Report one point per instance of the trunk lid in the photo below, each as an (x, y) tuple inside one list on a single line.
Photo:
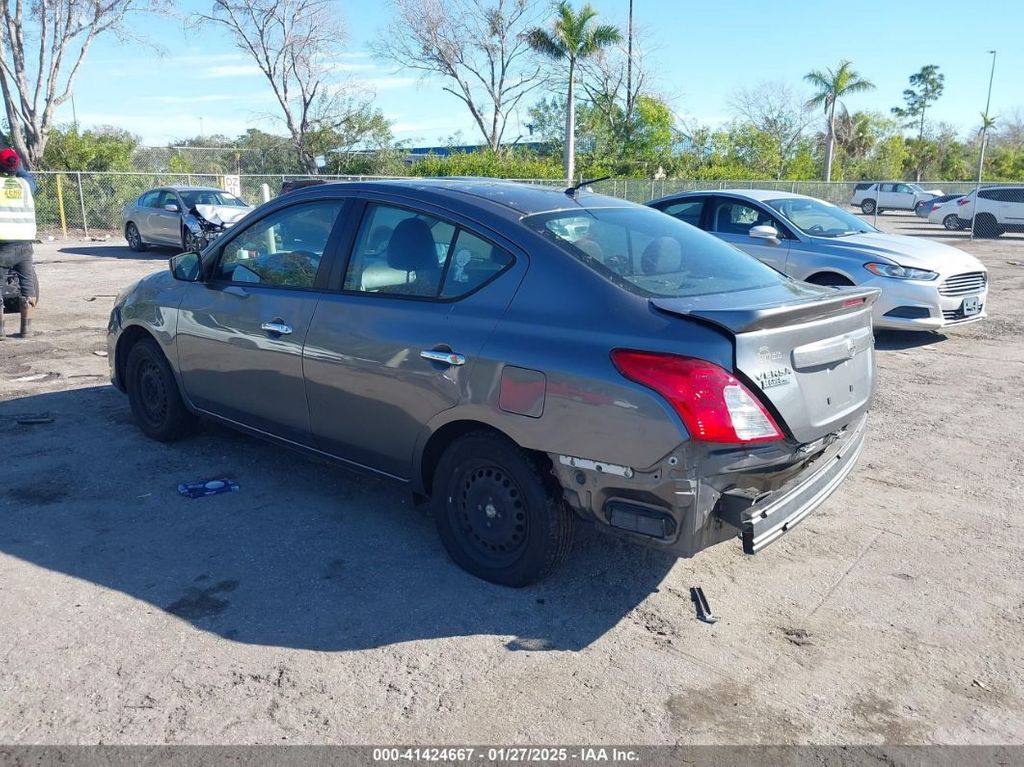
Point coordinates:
[(807, 351)]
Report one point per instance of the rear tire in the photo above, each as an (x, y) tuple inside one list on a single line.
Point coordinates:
[(500, 517), (131, 233), (987, 226), (952, 222), (153, 393), (867, 207)]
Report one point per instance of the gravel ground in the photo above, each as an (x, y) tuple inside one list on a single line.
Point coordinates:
[(317, 606)]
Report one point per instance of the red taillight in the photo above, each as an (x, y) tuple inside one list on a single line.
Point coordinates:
[(964, 202), (853, 302), (714, 406)]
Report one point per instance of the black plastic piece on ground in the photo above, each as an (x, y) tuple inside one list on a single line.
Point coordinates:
[(701, 603)]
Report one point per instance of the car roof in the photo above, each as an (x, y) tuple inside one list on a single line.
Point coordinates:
[(513, 198), (757, 195)]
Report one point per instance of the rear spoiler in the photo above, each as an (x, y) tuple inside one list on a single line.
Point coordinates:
[(744, 319)]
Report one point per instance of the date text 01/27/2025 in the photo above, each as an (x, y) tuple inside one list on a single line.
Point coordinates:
[(504, 754)]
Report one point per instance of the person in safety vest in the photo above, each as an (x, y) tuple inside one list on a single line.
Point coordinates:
[(18, 232)]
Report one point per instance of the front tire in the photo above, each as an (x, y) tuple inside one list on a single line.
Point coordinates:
[(189, 242), (867, 207), (153, 394), (500, 517), (131, 233)]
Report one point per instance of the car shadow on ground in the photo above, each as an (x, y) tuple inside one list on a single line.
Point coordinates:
[(898, 340), (121, 251), (305, 555)]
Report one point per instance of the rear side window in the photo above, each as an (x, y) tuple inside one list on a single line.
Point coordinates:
[(473, 262), (403, 252), (148, 200), (688, 211), (649, 253), (989, 194)]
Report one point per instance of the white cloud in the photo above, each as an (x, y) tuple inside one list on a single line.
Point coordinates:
[(386, 82), (228, 70)]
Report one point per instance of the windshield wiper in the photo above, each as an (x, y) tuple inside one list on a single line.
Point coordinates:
[(572, 190)]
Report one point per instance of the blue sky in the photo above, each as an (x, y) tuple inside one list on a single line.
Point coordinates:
[(703, 52)]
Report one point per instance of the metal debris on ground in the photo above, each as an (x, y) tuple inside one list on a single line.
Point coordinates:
[(100, 353), (701, 603), (206, 488), (33, 377)]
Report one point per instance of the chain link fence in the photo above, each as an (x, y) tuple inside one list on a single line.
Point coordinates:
[(76, 204)]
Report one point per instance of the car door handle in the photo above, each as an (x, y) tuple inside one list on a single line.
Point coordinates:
[(277, 327), (447, 358)]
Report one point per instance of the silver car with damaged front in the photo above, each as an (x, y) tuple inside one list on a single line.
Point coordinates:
[(523, 359)]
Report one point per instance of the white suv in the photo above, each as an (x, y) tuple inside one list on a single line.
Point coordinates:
[(1000, 209), (893, 195)]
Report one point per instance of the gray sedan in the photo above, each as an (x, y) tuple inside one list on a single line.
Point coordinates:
[(185, 217), (925, 285), (522, 358)]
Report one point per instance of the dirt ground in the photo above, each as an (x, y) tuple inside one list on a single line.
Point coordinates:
[(317, 606)]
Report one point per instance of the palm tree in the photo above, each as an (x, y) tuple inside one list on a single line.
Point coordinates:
[(572, 37), (830, 86)]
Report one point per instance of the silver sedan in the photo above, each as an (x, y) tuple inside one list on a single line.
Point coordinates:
[(924, 285), (185, 217)]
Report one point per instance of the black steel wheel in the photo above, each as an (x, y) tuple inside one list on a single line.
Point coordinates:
[(131, 233), (499, 517), (153, 393)]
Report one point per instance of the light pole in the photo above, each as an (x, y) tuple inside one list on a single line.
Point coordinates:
[(984, 137)]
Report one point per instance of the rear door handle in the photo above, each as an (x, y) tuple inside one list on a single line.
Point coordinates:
[(277, 327), (447, 358)]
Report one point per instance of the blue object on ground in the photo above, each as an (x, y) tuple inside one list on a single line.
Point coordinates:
[(209, 487)]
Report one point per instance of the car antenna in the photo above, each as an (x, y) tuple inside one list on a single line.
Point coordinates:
[(572, 190)]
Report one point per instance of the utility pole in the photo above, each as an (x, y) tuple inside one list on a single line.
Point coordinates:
[(984, 137), (629, 64)]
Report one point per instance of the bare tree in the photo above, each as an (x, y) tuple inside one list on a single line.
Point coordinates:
[(293, 42), (477, 46), (773, 109), (42, 47), (614, 78)]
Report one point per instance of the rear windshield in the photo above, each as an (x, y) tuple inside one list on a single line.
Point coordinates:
[(651, 253)]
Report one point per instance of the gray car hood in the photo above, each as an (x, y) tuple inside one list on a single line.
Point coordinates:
[(222, 215), (906, 251)]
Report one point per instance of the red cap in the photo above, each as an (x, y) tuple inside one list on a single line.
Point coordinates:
[(9, 160)]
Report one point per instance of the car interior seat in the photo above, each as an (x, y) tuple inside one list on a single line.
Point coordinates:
[(662, 256), (411, 249)]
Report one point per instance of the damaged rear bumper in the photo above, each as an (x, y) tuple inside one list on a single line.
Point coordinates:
[(701, 495), (765, 521)]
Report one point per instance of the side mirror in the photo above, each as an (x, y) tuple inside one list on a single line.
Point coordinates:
[(765, 232), (171, 208), (186, 267)]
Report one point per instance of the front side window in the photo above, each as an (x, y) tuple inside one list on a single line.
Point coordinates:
[(819, 219), (733, 217), (646, 252), (282, 250), (904, 189), (166, 198)]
